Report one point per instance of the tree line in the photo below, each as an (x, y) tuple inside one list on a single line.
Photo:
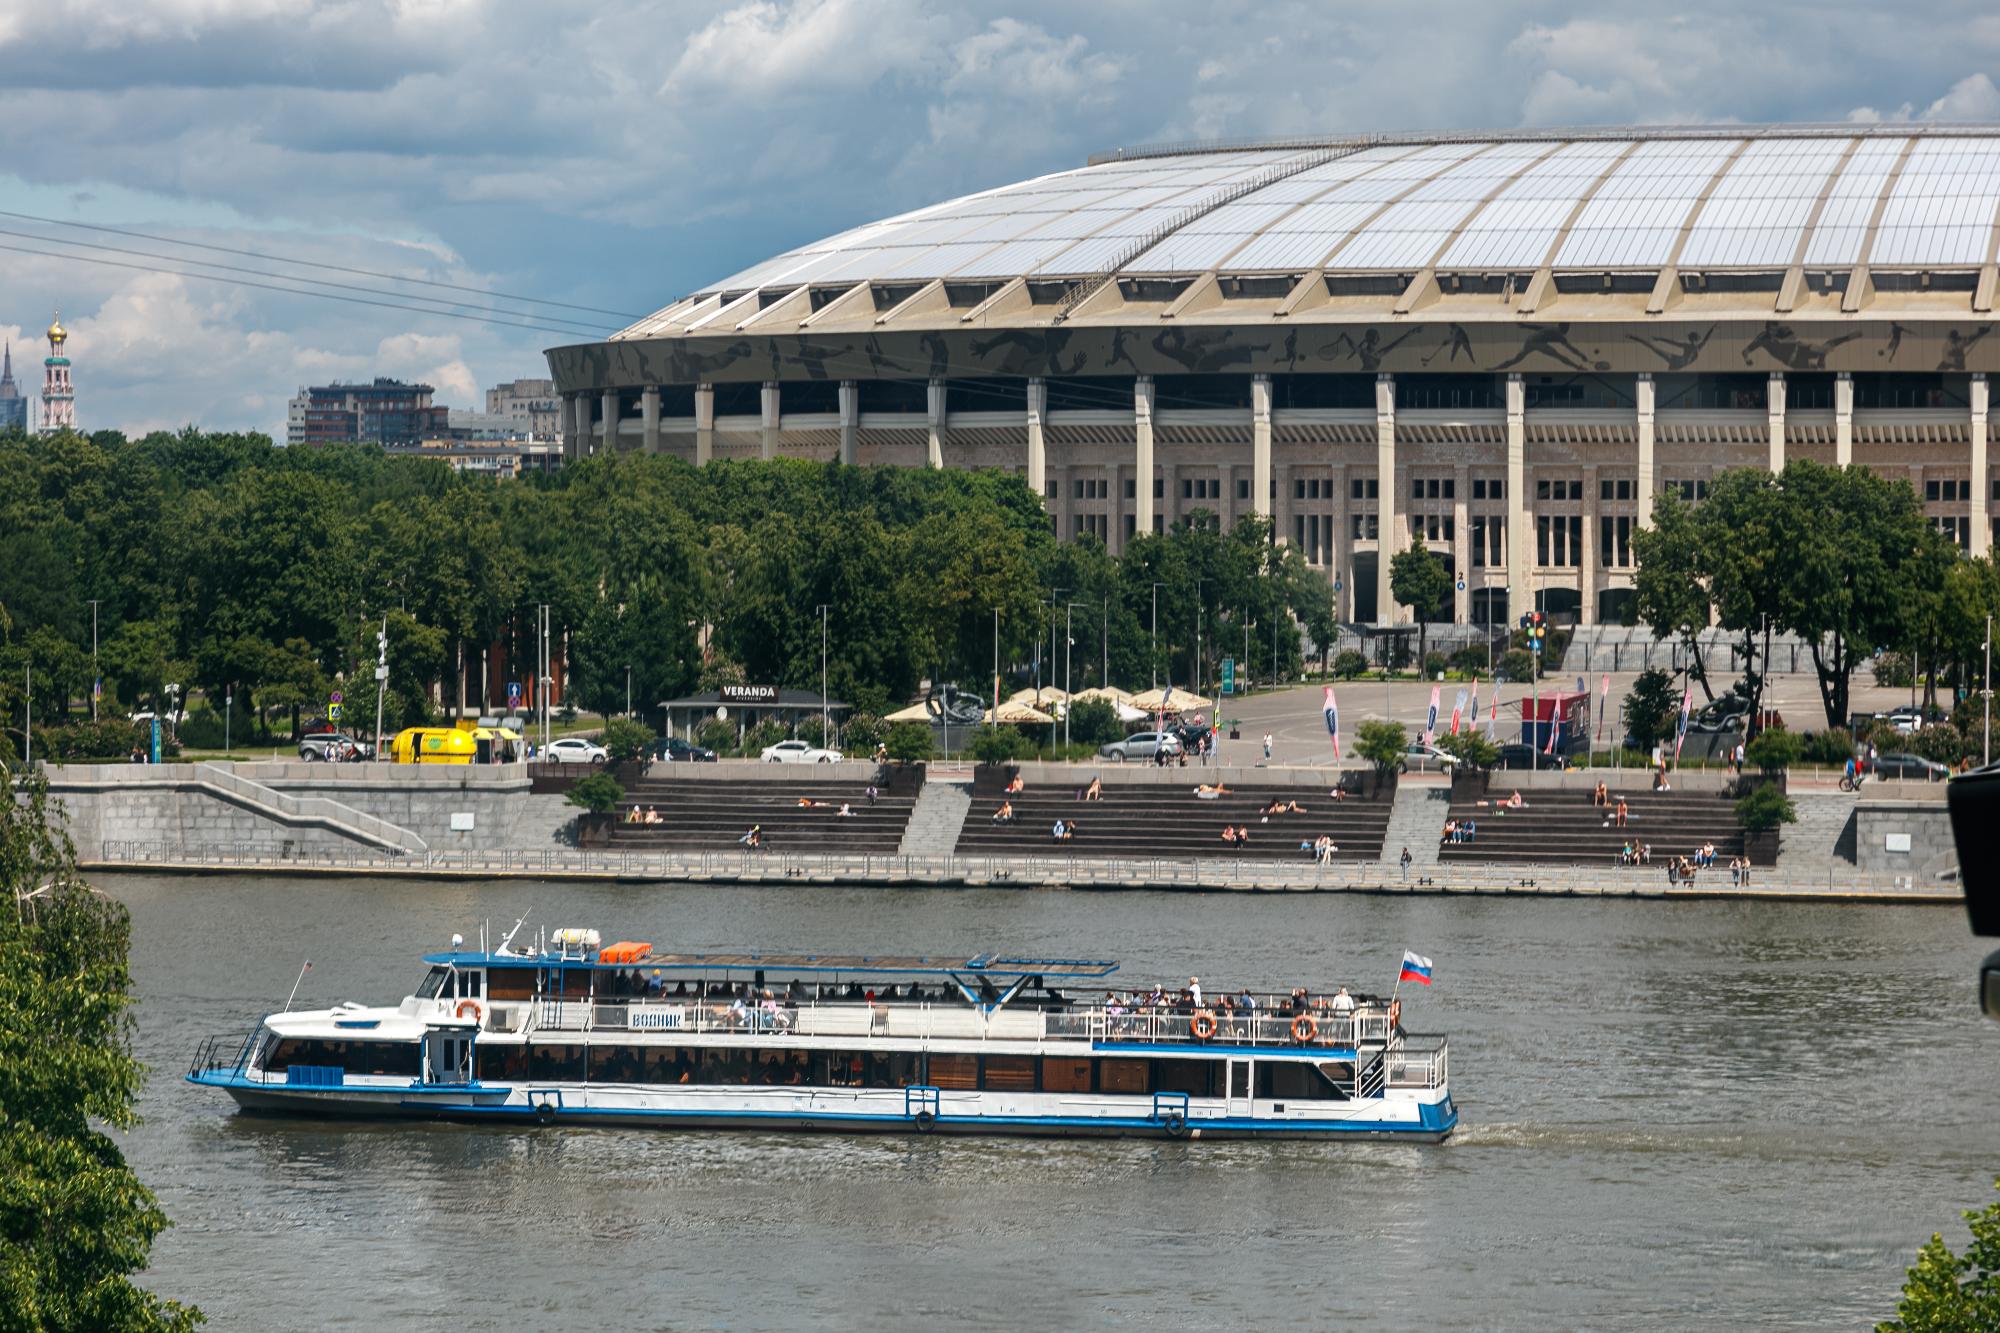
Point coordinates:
[(261, 575)]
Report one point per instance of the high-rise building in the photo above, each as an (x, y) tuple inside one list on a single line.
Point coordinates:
[(58, 395), (533, 405), (385, 411), (13, 407)]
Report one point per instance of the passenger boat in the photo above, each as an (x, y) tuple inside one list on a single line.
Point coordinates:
[(568, 1030)]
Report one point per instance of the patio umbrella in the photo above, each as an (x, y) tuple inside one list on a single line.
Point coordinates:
[(914, 713), (1183, 701), (1012, 713)]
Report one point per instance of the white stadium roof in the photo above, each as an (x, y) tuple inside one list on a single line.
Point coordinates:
[(1896, 196)]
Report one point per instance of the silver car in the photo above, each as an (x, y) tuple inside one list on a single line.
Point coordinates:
[(1141, 745)]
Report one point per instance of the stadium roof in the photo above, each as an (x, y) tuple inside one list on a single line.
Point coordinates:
[(1531, 205)]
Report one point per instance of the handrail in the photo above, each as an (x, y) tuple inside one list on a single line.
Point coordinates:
[(322, 809)]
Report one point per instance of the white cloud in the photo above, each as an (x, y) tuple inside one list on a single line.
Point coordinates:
[(1972, 98)]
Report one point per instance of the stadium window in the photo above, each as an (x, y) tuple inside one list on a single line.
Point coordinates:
[(1451, 488), (1077, 489), (1242, 490), (1159, 489), (1373, 491), (1542, 489), (1187, 489), (1131, 489), (1299, 488), (1417, 489)]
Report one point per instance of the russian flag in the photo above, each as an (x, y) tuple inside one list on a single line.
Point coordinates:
[(1416, 967)]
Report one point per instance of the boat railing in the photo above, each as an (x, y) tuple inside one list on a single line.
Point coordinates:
[(224, 1053), (815, 1018), (1417, 1061)]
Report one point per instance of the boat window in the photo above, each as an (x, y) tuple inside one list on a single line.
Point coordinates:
[(433, 981), (1298, 1080), (954, 1071), (1196, 1078), (556, 1063), (511, 983), (1007, 1073), (1124, 1076), (500, 1064), (468, 984), (1066, 1075), (393, 1058)]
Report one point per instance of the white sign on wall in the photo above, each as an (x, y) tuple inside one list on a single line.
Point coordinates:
[(461, 821), (1897, 842)]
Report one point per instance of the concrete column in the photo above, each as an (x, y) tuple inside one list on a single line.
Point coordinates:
[(934, 448), (1114, 509), (767, 443), (1982, 489), (704, 424), (1386, 545), (572, 436), (1774, 409), (1586, 569), (1520, 515), (1038, 449), (850, 422), (649, 417), (1260, 445), (610, 421), (1340, 551), (1461, 546), (1648, 481), (1843, 419), (1142, 452), (582, 425), (1170, 496)]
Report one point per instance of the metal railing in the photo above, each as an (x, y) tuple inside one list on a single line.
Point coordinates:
[(224, 1053), (1419, 1062), (320, 809)]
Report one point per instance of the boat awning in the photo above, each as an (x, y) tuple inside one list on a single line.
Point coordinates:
[(989, 965)]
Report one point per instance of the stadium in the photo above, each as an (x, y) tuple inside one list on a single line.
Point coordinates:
[(1504, 345)]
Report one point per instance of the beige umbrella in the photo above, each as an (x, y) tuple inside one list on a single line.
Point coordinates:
[(1042, 698), (1012, 713), (914, 713), (1182, 702), (1109, 693)]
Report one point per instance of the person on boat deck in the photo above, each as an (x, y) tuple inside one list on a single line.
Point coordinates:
[(1095, 791), (1194, 990), (1343, 1003), (1005, 814)]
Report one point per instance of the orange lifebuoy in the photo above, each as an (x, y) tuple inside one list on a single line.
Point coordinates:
[(1304, 1028), (1202, 1025), (464, 1005)]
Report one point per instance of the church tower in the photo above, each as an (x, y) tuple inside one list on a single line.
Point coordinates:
[(13, 407), (58, 398)]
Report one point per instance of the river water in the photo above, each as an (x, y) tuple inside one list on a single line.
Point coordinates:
[(1675, 1115)]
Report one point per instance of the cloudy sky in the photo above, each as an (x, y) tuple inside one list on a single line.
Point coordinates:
[(614, 155)]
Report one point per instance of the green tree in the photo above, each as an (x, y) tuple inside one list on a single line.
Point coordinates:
[(1670, 590), (1470, 748), (1420, 581), (996, 745), (1947, 1292), (1774, 750), (1095, 722), (625, 740), (75, 1221), (1764, 809), (909, 742), (598, 794), (1651, 708), (1382, 744), (1349, 664)]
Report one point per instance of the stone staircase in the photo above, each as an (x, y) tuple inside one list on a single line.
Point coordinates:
[(936, 819), (1419, 813)]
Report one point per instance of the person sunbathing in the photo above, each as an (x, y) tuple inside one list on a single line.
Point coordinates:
[(1095, 791), (1208, 793), (1005, 814), (1016, 787)]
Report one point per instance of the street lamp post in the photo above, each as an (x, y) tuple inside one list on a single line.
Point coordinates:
[(1156, 636), (1988, 692), (628, 689), (1104, 629), (823, 608), (1197, 635), (1069, 660), (96, 679)]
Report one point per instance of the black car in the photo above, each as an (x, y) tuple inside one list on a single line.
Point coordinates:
[(674, 750), (1522, 755), (1909, 768)]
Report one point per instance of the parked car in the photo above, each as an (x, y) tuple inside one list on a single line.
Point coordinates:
[(1421, 758), (335, 746), (1141, 745), (674, 750), (1909, 768), (575, 750), (798, 752), (1522, 755), (1906, 721)]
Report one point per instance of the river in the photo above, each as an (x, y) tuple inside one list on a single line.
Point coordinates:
[(1675, 1115)]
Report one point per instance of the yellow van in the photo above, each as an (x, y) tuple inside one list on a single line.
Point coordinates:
[(433, 745)]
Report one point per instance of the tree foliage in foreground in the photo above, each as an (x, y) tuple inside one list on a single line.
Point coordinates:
[(75, 1221), (1947, 1292)]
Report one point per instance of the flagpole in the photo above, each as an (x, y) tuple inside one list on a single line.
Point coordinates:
[(295, 985)]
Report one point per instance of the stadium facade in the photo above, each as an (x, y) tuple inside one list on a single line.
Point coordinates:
[(1504, 345)]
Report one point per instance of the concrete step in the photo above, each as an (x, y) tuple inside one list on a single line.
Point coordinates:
[(937, 819)]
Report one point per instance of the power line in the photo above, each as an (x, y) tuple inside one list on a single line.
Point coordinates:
[(311, 263), (287, 277), (289, 291)]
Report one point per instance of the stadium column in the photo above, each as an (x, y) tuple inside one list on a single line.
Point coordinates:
[(1586, 559), (1843, 419), (582, 425), (1386, 543), (1038, 449), (1648, 483), (1982, 489), (1142, 453), (934, 448), (768, 438), (850, 422), (1461, 547), (704, 424), (1520, 520), (610, 421), (1774, 412), (1260, 444), (649, 417), (570, 435)]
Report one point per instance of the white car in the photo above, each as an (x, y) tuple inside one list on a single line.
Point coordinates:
[(798, 752), (575, 750), (1421, 758)]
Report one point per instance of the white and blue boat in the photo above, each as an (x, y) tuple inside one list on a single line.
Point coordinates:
[(567, 1030)]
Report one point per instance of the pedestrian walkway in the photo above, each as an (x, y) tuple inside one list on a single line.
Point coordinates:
[(936, 818)]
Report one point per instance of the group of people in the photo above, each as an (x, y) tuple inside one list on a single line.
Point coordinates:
[(1461, 830), (1636, 853), (1279, 806), (1235, 835), (1322, 848), (1615, 811), (633, 815), (846, 808), (1064, 830)]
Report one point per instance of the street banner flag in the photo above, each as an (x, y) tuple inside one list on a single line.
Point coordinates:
[(1687, 704), (1333, 721), (1474, 714), (1554, 726), (1457, 711), (1416, 967), (1604, 703), (1431, 722), (1493, 718)]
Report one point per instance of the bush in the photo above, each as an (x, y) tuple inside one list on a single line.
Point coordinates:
[(1940, 741), (764, 735), (201, 729), (1470, 748), (909, 742), (1469, 661), (1945, 1292), (1765, 808), (1517, 665), (625, 740), (1382, 744), (1892, 671), (599, 794), (810, 731), (715, 734), (1774, 750), (863, 732), (996, 745), (110, 738), (1435, 664), (1832, 747), (1349, 663), (1094, 722), (1651, 708)]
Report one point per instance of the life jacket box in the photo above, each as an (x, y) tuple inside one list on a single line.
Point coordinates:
[(625, 951)]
